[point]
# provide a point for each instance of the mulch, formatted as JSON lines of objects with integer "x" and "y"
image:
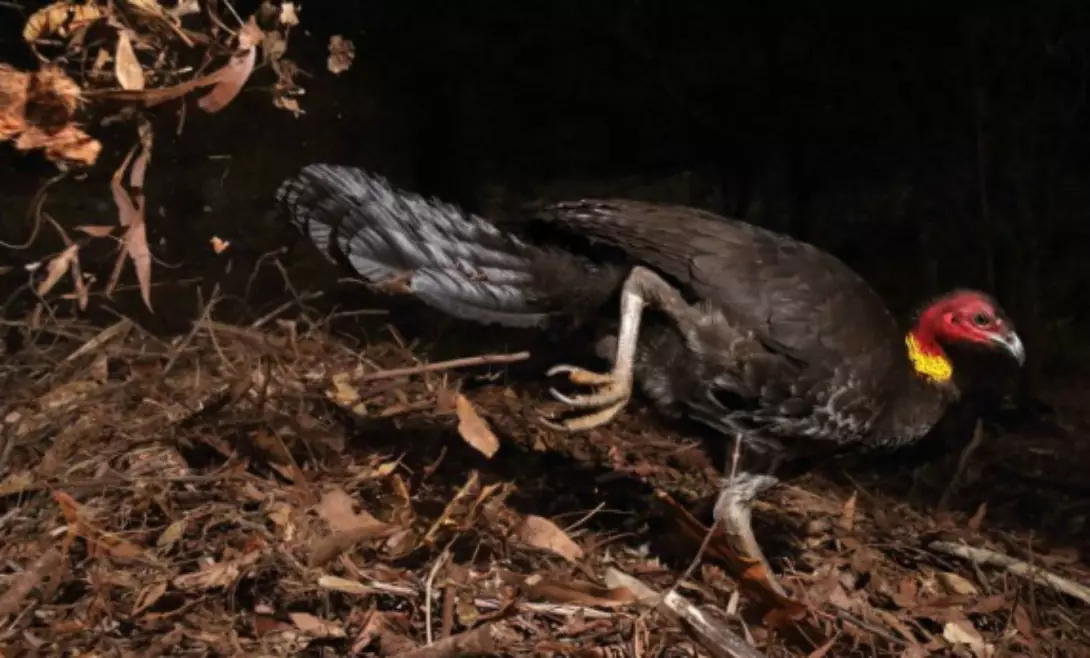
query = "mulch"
{"x": 277, "y": 489}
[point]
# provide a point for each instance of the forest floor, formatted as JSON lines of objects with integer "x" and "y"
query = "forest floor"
{"x": 278, "y": 488}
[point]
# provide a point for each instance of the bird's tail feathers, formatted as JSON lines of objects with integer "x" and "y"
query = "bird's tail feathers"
{"x": 452, "y": 260}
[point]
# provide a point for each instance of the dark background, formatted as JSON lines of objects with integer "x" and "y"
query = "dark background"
{"x": 930, "y": 145}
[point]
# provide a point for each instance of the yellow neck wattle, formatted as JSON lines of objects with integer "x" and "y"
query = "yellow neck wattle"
{"x": 929, "y": 365}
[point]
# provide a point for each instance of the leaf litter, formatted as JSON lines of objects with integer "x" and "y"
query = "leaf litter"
{"x": 172, "y": 509}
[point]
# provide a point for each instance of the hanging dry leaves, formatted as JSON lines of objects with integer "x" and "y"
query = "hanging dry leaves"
{"x": 544, "y": 534}
{"x": 58, "y": 267}
{"x": 130, "y": 75}
{"x": 60, "y": 19}
{"x": 51, "y": 98}
{"x": 342, "y": 52}
{"x": 130, "y": 214}
{"x": 474, "y": 429}
{"x": 231, "y": 78}
{"x": 288, "y": 14}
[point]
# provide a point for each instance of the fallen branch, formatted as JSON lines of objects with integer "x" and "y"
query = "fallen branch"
{"x": 716, "y": 639}
{"x": 1017, "y": 567}
{"x": 465, "y": 362}
{"x": 480, "y": 640}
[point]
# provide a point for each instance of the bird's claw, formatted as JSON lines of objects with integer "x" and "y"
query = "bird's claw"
{"x": 612, "y": 395}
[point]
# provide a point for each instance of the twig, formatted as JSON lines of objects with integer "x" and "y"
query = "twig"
{"x": 484, "y": 359}
{"x": 557, "y": 609}
{"x": 271, "y": 315}
{"x": 963, "y": 461}
{"x": 1017, "y": 567}
{"x": 429, "y": 587}
{"x": 206, "y": 315}
{"x": 713, "y": 636}
{"x": 103, "y": 337}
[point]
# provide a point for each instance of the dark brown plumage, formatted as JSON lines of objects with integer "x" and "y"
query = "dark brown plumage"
{"x": 770, "y": 341}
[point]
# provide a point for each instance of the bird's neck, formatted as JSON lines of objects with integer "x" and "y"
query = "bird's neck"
{"x": 928, "y": 389}
{"x": 928, "y": 360}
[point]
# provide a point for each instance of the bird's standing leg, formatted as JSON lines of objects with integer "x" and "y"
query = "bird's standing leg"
{"x": 643, "y": 287}
{"x": 733, "y": 511}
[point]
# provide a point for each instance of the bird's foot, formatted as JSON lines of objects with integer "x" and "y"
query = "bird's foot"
{"x": 612, "y": 394}
{"x": 733, "y": 511}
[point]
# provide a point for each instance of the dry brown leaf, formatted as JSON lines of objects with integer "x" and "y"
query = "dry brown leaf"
{"x": 337, "y": 508}
{"x": 474, "y": 429}
{"x": 218, "y": 575}
{"x": 543, "y": 533}
{"x": 342, "y": 52}
{"x": 60, "y": 18}
{"x": 233, "y": 76}
{"x": 16, "y": 483}
{"x": 174, "y": 532}
{"x": 230, "y": 81}
{"x": 288, "y": 14}
{"x": 963, "y": 633}
{"x": 96, "y": 231}
{"x": 149, "y": 596}
{"x": 130, "y": 75}
{"x": 136, "y": 242}
{"x": 130, "y": 213}
{"x": 289, "y": 104}
{"x": 955, "y": 584}
{"x": 51, "y": 97}
{"x": 978, "y": 517}
{"x": 847, "y": 515}
{"x": 343, "y": 585}
{"x": 58, "y": 267}
{"x": 314, "y": 626}
{"x": 67, "y": 144}
{"x": 575, "y": 593}
{"x": 13, "y": 97}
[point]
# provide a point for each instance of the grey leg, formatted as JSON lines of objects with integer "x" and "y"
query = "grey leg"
{"x": 642, "y": 288}
{"x": 733, "y": 511}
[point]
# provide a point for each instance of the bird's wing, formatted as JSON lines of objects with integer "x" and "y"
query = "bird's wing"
{"x": 799, "y": 301}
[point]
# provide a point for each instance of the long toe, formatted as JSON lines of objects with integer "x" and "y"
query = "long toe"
{"x": 612, "y": 393}
{"x": 586, "y": 421}
{"x": 581, "y": 376}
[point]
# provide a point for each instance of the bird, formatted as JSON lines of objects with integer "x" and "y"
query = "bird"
{"x": 773, "y": 344}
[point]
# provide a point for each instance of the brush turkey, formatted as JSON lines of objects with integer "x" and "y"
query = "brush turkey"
{"x": 768, "y": 340}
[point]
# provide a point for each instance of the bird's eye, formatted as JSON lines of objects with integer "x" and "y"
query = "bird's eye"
{"x": 982, "y": 319}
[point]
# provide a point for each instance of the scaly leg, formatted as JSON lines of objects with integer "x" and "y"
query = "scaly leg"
{"x": 642, "y": 287}
{"x": 733, "y": 511}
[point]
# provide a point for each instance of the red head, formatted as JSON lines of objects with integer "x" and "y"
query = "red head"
{"x": 968, "y": 318}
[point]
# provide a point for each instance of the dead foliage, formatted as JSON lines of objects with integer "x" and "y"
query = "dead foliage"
{"x": 266, "y": 489}
{"x": 110, "y": 62}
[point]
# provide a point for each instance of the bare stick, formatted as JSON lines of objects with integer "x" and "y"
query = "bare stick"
{"x": 963, "y": 461}
{"x": 482, "y": 360}
{"x": 1017, "y": 567}
{"x": 103, "y": 337}
{"x": 713, "y": 636}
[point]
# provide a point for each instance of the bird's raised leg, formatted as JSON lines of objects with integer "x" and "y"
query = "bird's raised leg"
{"x": 643, "y": 287}
{"x": 733, "y": 511}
